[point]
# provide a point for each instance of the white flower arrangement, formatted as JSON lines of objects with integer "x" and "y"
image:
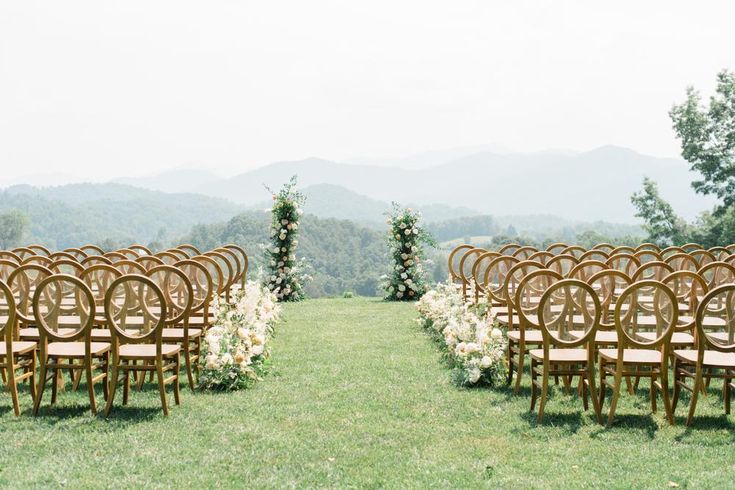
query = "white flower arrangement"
{"x": 287, "y": 276}
{"x": 406, "y": 280}
{"x": 235, "y": 347}
{"x": 474, "y": 346}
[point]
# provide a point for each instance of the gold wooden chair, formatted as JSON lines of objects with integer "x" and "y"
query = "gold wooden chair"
{"x": 719, "y": 253}
{"x": 562, "y": 264}
{"x": 140, "y": 249}
{"x": 574, "y": 250}
{"x": 594, "y": 254}
{"x": 556, "y": 248}
{"x": 669, "y": 251}
{"x": 682, "y": 262}
{"x": 14, "y": 355}
{"x": 237, "y": 249}
{"x": 624, "y": 262}
{"x": 64, "y": 311}
{"x": 652, "y": 271}
{"x": 453, "y": 262}
{"x": 78, "y": 253}
{"x": 717, "y": 274}
{"x": 115, "y": 256}
{"x": 623, "y": 249}
{"x": 10, "y": 256}
{"x": 23, "y": 282}
{"x": 605, "y": 247}
{"x": 127, "y": 266}
{"x": 215, "y": 272}
{"x": 703, "y": 257}
{"x": 646, "y": 255}
{"x": 526, "y": 332}
{"x": 178, "y": 293}
{"x": 149, "y": 261}
{"x": 62, "y": 256}
{"x": 478, "y": 274}
{"x": 136, "y": 313}
{"x": 524, "y": 252}
{"x": 509, "y": 249}
{"x": 691, "y": 247}
{"x": 94, "y": 260}
{"x": 586, "y": 269}
{"x": 237, "y": 267}
{"x": 42, "y": 260}
{"x": 645, "y": 306}
{"x": 6, "y": 268}
{"x": 24, "y": 252}
{"x": 465, "y": 270}
{"x": 204, "y": 291}
{"x": 192, "y": 251}
{"x": 568, "y": 314}
{"x": 66, "y": 266}
{"x": 494, "y": 280}
{"x": 39, "y": 249}
{"x": 542, "y": 256}
{"x": 649, "y": 247}
{"x": 715, "y": 353}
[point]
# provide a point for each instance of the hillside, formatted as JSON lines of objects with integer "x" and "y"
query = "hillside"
{"x": 75, "y": 214}
{"x": 589, "y": 186}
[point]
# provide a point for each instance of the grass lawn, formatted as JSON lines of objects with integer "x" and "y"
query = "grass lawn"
{"x": 358, "y": 397}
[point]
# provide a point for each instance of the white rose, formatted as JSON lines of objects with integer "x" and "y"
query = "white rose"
{"x": 496, "y": 334}
{"x": 474, "y": 375}
{"x": 486, "y": 362}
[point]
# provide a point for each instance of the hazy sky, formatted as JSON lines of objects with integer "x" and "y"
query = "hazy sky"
{"x": 101, "y": 89}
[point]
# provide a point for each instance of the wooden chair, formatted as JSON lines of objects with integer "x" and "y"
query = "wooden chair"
{"x": 78, "y": 253}
{"x": 63, "y": 256}
{"x": 243, "y": 255}
{"x": 129, "y": 253}
{"x": 90, "y": 250}
{"x": 234, "y": 260}
{"x": 149, "y": 261}
{"x": 465, "y": 270}
{"x": 594, "y": 254}
{"x": 655, "y": 271}
{"x": 575, "y": 250}
{"x": 478, "y": 273}
{"x": 66, "y": 266}
{"x": 23, "y": 283}
{"x": 140, "y": 249}
{"x": 38, "y": 259}
{"x": 719, "y": 253}
{"x": 24, "y": 252}
{"x": 178, "y": 293}
{"x": 204, "y": 290}
{"x": 127, "y": 266}
{"x": 605, "y": 247}
{"x": 10, "y": 256}
{"x": 586, "y": 269}
{"x": 6, "y": 268}
{"x": 556, "y": 248}
{"x": 624, "y": 262}
{"x": 115, "y": 256}
{"x": 64, "y": 311}
{"x": 645, "y": 255}
{"x": 715, "y": 353}
{"x": 94, "y": 260}
{"x": 622, "y": 249}
{"x": 703, "y": 257}
{"x": 669, "y": 251}
{"x": 509, "y": 249}
{"x": 169, "y": 257}
{"x": 717, "y": 274}
{"x": 689, "y": 289}
{"x": 136, "y": 313}
{"x": 39, "y": 249}
{"x": 494, "y": 281}
{"x": 690, "y": 247}
{"x": 682, "y": 262}
{"x": 524, "y": 253}
{"x": 192, "y": 251}
{"x": 229, "y": 275}
{"x": 526, "y": 332}
{"x": 568, "y": 314}
{"x": 645, "y": 306}
{"x": 542, "y": 256}
{"x": 215, "y": 272}
{"x": 652, "y": 247}
{"x": 14, "y": 355}
{"x": 562, "y": 264}
{"x": 453, "y": 262}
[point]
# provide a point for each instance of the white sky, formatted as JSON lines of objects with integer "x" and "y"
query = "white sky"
{"x": 101, "y": 89}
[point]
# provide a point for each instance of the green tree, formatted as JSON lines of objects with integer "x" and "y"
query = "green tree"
{"x": 13, "y": 225}
{"x": 664, "y": 227}
{"x": 707, "y": 137}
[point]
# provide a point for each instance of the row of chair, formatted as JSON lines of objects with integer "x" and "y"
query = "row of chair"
{"x": 632, "y": 325}
{"x": 126, "y": 316}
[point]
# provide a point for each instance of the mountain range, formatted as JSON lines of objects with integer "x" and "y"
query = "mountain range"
{"x": 587, "y": 186}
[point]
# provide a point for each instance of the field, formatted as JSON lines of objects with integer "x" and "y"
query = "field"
{"x": 358, "y": 396}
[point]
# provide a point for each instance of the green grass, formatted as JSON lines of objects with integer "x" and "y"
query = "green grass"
{"x": 358, "y": 397}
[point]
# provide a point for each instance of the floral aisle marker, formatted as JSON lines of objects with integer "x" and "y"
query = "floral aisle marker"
{"x": 235, "y": 347}
{"x": 474, "y": 347}
{"x": 406, "y": 280}
{"x": 286, "y": 276}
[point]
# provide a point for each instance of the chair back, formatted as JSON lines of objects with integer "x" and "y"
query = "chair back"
{"x": 64, "y": 309}
{"x": 608, "y": 284}
{"x": 647, "y": 307}
{"x": 529, "y": 293}
{"x": 569, "y": 314}
{"x": 624, "y": 262}
{"x": 23, "y": 282}
{"x": 7, "y": 315}
{"x": 201, "y": 284}
{"x": 655, "y": 271}
{"x": 135, "y": 309}
{"x": 562, "y": 264}
{"x": 682, "y": 262}
{"x": 556, "y": 248}
{"x": 586, "y": 269}
{"x": 717, "y": 274}
{"x": 453, "y": 261}
{"x": 716, "y": 320}
{"x": 177, "y": 292}
{"x": 689, "y": 289}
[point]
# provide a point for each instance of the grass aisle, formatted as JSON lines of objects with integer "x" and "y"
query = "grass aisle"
{"x": 358, "y": 397}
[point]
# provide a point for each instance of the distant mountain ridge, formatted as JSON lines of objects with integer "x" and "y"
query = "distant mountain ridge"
{"x": 589, "y": 186}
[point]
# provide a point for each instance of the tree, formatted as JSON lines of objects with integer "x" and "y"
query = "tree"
{"x": 707, "y": 137}
{"x": 664, "y": 227}
{"x": 13, "y": 225}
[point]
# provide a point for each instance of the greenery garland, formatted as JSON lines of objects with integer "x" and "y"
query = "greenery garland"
{"x": 286, "y": 275}
{"x": 406, "y": 281}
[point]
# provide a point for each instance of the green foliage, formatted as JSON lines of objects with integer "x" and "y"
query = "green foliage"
{"x": 464, "y": 226}
{"x": 406, "y": 280}
{"x": 110, "y": 215}
{"x": 707, "y": 137}
{"x": 664, "y": 227}
{"x": 13, "y": 225}
{"x": 286, "y": 275}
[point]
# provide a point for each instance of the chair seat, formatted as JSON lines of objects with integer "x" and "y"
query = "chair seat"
{"x": 18, "y": 347}
{"x": 531, "y": 337}
{"x": 712, "y": 358}
{"x": 32, "y": 333}
{"x": 502, "y": 318}
{"x": 199, "y": 321}
{"x": 633, "y": 356}
{"x": 678, "y": 339}
{"x": 602, "y": 337}
{"x": 560, "y": 355}
{"x": 174, "y": 334}
{"x": 75, "y": 350}
{"x": 147, "y": 351}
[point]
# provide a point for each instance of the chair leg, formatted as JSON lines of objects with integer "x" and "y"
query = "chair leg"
{"x": 510, "y": 362}
{"x": 12, "y": 387}
{"x": 665, "y": 394}
{"x": 544, "y": 393}
{"x": 39, "y": 390}
{"x": 519, "y": 372}
{"x": 695, "y": 394}
{"x": 593, "y": 393}
{"x": 55, "y": 383}
{"x": 176, "y": 379}
{"x": 126, "y": 386}
{"x": 112, "y": 388}
{"x": 90, "y": 386}
{"x": 677, "y": 387}
{"x": 534, "y": 388}
{"x": 727, "y": 390}
{"x": 603, "y": 386}
{"x": 31, "y": 379}
{"x": 616, "y": 395}
{"x": 189, "y": 372}
{"x": 161, "y": 386}
{"x": 653, "y": 392}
